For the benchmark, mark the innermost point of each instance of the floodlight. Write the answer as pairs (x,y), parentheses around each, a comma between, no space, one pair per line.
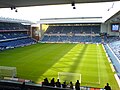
(16,10)
(11,8)
(73,3)
(14,7)
(74,7)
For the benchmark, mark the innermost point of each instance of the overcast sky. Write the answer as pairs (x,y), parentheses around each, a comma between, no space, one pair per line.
(60,11)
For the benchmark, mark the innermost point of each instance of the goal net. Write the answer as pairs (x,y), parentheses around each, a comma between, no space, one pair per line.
(8,71)
(66,76)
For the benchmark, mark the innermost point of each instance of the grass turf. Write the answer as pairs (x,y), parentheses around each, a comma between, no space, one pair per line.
(39,61)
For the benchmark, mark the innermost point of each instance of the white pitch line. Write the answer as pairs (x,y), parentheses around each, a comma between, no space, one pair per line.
(98,54)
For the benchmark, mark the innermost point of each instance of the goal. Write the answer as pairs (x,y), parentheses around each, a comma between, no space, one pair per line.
(8,71)
(66,76)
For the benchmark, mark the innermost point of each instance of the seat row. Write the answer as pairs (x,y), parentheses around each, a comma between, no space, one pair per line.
(116,48)
(73,29)
(11,26)
(93,39)
(16,43)
(11,35)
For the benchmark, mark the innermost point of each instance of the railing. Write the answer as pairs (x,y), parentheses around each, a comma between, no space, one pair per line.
(14,38)
(13,30)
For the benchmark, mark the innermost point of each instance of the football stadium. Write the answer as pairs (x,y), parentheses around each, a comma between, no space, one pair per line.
(70,49)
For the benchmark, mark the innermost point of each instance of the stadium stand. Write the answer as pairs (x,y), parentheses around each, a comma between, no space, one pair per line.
(84,33)
(17,43)
(111,39)
(74,29)
(11,26)
(14,35)
(115,46)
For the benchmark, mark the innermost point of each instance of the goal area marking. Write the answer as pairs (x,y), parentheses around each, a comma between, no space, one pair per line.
(68,77)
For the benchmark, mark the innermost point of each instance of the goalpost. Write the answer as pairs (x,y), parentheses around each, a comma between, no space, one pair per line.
(8,71)
(68,77)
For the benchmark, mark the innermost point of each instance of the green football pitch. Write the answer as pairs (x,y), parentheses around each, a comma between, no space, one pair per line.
(39,61)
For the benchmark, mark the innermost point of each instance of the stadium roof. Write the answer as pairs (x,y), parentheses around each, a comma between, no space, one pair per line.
(24,3)
(2,19)
(78,19)
(71,20)
(115,18)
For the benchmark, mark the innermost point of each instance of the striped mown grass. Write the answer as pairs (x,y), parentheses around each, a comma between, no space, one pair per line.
(39,61)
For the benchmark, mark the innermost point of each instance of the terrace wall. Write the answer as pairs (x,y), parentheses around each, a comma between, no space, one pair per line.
(115,61)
